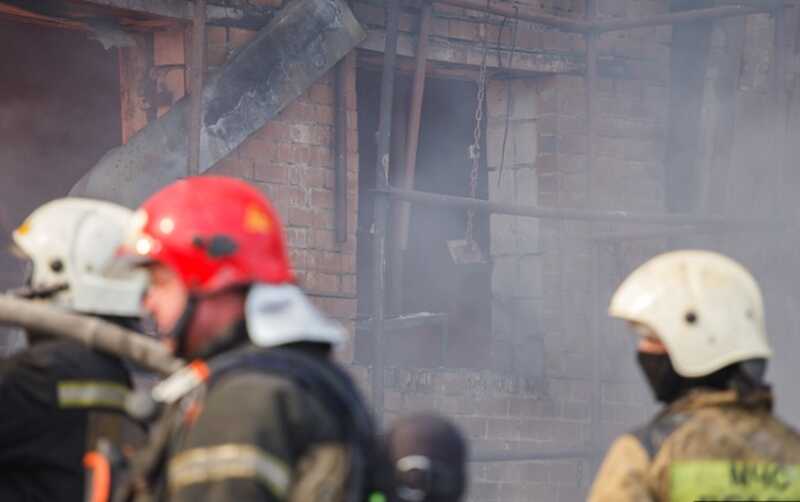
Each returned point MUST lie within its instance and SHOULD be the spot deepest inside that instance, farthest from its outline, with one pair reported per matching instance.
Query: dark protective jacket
(708, 445)
(267, 425)
(50, 397)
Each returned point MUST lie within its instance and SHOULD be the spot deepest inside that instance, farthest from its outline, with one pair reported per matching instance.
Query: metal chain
(475, 147)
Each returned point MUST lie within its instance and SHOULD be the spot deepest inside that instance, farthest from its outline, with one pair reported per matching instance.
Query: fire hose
(90, 331)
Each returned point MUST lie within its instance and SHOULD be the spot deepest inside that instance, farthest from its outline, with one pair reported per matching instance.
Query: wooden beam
(136, 87)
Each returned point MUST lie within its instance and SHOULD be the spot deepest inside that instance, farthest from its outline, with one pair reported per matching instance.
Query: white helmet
(71, 242)
(704, 307)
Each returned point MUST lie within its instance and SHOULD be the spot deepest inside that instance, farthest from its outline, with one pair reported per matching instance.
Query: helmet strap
(180, 332)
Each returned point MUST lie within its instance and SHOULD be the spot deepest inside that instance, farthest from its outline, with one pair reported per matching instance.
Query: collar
(697, 399)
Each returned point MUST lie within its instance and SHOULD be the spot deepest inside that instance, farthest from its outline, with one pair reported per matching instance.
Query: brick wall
(544, 310)
(568, 380)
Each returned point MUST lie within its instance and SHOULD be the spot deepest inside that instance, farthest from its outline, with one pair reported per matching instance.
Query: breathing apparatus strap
(180, 332)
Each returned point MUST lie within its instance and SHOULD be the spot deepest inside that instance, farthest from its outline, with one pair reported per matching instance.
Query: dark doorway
(59, 112)
(430, 281)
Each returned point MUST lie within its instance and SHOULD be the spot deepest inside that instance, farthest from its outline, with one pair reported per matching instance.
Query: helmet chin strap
(180, 332)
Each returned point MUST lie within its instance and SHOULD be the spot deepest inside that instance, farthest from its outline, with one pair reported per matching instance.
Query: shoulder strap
(653, 434)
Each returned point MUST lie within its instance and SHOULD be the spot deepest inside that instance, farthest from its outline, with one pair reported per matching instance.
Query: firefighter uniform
(266, 425)
(703, 349)
(705, 446)
(266, 415)
(49, 397)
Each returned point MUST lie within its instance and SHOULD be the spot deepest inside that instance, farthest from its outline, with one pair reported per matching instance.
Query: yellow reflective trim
(91, 394)
(717, 480)
(229, 461)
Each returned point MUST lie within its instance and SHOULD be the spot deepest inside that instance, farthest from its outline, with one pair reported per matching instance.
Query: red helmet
(214, 232)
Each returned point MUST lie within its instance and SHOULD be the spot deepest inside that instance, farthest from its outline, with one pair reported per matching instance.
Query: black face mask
(666, 384)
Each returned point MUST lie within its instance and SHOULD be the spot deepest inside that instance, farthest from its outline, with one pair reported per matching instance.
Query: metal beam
(382, 204)
(236, 13)
(513, 11)
(578, 26)
(435, 199)
(301, 43)
(676, 18)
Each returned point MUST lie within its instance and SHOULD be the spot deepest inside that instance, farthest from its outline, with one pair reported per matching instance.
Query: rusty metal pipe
(440, 200)
(196, 84)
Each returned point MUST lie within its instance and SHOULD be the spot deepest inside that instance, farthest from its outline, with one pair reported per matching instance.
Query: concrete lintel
(458, 52)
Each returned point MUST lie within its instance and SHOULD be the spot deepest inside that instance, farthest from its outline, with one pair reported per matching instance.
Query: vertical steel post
(196, 86)
(382, 203)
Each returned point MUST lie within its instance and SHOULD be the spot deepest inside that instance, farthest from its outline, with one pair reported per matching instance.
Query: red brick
(315, 177)
(323, 114)
(349, 263)
(322, 94)
(302, 154)
(232, 165)
(324, 239)
(320, 135)
(296, 196)
(322, 199)
(271, 172)
(348, 285)
(277, 131)
(320, 282)
(329, 179)
(330, 262)
(284, 152)
(323, 220)
(258, 149)
(300, 217)
(297, 237)
(338, 308)
(301, 133)
(299, 258)
(299, 111)
(321, 156)
(462, 29)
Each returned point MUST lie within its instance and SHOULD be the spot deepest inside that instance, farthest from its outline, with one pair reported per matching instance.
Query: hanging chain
(475, 147)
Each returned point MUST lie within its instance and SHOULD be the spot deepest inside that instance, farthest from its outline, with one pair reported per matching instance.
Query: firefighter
(428, 455)
(703, 349)
(55, 397)
(262, 413)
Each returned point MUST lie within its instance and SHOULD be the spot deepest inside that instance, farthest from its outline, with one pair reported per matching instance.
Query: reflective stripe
(217, 463)
(91, 394)
(712, 480)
